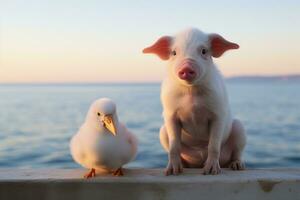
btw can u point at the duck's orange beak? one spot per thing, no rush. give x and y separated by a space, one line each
110 124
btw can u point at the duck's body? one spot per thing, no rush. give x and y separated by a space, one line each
102 150
96 147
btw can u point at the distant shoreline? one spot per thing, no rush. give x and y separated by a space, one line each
250 78
262 78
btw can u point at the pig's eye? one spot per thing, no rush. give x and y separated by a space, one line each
173 53
203 52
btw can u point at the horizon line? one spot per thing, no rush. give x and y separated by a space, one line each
154 81
283 76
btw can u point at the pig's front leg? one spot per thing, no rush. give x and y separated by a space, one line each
212 165
173 129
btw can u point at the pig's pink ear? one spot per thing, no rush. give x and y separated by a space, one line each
219 45
161 47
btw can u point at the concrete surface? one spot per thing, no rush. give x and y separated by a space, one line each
150 184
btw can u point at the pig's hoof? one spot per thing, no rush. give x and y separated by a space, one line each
211 167
237 165
174 168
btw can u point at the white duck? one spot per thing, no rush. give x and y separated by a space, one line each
102 143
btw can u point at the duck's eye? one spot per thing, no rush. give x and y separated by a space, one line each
98 114
173 53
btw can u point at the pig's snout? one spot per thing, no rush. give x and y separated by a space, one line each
188 71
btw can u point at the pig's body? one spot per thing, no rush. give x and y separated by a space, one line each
199 129
194 109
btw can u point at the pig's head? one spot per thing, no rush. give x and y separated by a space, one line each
190 53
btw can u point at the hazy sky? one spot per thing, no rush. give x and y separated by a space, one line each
96 41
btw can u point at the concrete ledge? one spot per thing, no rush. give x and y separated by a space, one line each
150 184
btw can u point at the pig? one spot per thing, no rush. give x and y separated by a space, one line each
199 130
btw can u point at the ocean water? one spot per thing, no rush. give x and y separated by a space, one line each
37 121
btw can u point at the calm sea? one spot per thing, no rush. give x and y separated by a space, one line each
37 121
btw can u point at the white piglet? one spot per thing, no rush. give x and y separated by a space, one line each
198 130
